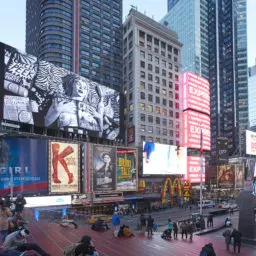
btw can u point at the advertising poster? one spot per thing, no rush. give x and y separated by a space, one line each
64 166
194 170
104 168
239 176
38 93
196 93
161 159
131 134
225 176
250 143
126 169
23 165
193 123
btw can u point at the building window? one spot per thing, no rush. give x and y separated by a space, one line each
150 119
142 85
142 95
164 112
157 60
177 105
164 63
176 68
170 84
150 108
158 131
157 79
170 94
156 41
150 129
142 54
142 106
171 123
164 131
163 72
150 97
150 77
171 113
158 110
164 82
164 91
157 120
142 74
164 102
176 96
131 107
157 140
149 57
157 89
157 70
171 133
157 100
150 67
143 127
164 121
177 115
142 117
170 104
176 87
150 87
149 38
142 64
143 138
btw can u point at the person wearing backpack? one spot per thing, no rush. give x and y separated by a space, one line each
175 230
84 247
227 235
237 236
208 250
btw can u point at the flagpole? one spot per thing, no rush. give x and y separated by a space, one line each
201 171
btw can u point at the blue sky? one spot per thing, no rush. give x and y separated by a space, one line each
13 20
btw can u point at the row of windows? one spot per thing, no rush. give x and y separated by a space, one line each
157 78
56 28
62 65
56 37
57 46
158 140
56 19
56 55
56 11
59 2
150 118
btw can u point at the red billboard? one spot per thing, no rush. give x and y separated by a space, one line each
196 93
193 123
194 169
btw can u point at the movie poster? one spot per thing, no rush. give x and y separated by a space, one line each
23 166
104 168
64 166
225 176
126 169
239 176
39 93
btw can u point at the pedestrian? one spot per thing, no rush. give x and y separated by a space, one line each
5 213
231 211
190 230
184 229
17 242
150 225
175 230
211 220
227 235
237 236
20 203
170 227
142 222
116 221
208 250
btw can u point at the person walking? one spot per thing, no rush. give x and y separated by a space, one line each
237 236
20 203
142 222
184 229
5 213
150 225
116 222
190 230
208 250
170 227
227 235
175 230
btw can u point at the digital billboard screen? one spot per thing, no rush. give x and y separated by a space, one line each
194 170
250 143
126 178
23 166
39 93
104 168
196 93
64 167
226 176
193 123
161 159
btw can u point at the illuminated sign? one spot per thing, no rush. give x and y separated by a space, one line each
250 143
194 170
193 123
47 201
196 93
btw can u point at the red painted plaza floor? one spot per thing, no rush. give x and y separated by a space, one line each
53 238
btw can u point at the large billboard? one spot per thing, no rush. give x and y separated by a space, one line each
196 93
225 176
239 175
23 166
161 159
193 123
104 168
250 143
194 170
39 93
126 178
64 167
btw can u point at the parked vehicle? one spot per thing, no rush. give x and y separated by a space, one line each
229 206
207 204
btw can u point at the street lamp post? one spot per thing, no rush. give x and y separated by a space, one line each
201 171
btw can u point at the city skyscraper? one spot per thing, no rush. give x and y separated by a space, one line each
152 81
83 36
214 38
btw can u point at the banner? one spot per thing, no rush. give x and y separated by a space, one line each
162 159
23 165
104 168
64 166
239 176
225 176
126 169
38 93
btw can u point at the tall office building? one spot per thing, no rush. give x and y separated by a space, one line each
214 38
190 20
252 97
152 81
84 36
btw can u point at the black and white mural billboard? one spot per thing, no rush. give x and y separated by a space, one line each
39 93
